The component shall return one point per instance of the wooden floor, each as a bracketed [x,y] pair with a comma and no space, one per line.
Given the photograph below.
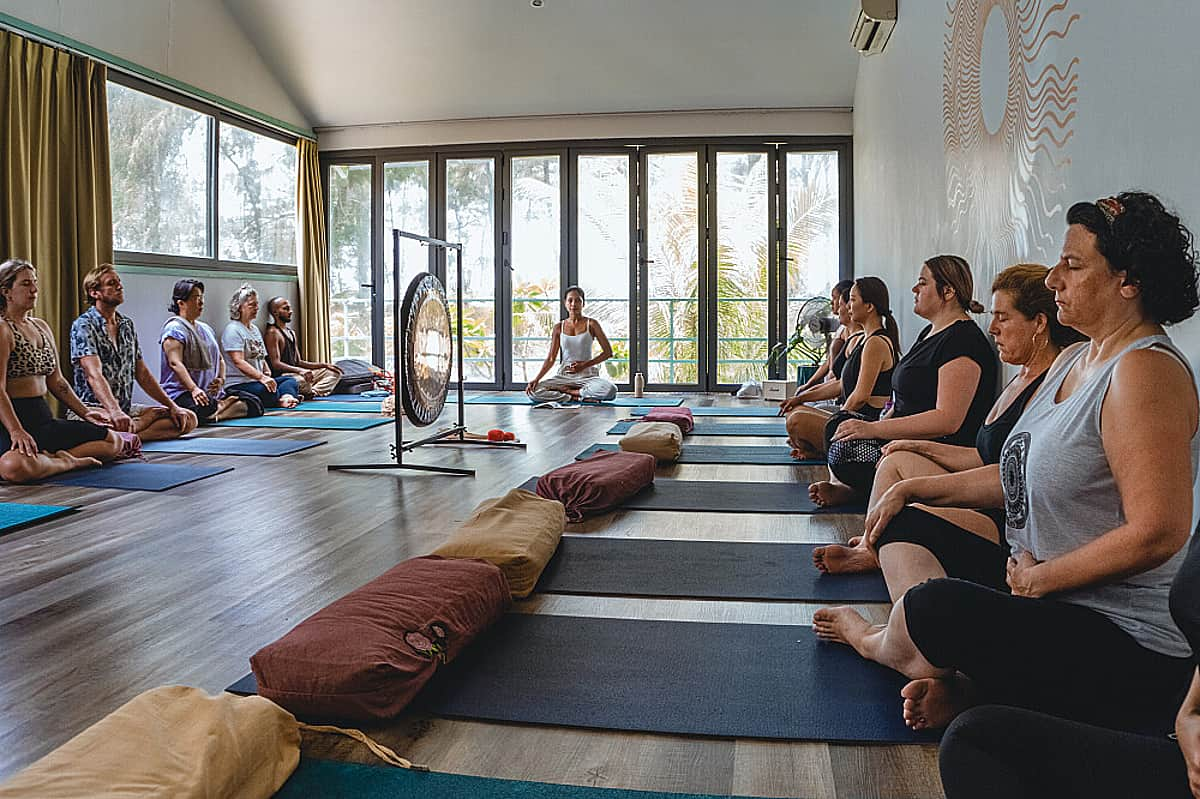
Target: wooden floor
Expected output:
[142,589]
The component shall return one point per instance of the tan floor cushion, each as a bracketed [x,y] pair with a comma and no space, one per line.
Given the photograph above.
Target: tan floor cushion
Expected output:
[518,532]
[663,440]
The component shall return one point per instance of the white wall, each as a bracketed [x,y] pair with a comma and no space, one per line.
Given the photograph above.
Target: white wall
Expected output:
[194,41]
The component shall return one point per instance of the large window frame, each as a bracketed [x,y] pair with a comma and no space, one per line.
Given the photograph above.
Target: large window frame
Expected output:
[635,150]
[217,117]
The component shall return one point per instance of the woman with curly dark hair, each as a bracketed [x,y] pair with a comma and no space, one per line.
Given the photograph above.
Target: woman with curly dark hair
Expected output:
[1096,482]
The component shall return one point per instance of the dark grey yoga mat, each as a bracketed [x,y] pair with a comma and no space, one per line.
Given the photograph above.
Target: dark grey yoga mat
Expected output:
[721,453]
[773,428]
[212,445]
[136,476]
[719,496]
[700,570]
[751,411]
[677,677]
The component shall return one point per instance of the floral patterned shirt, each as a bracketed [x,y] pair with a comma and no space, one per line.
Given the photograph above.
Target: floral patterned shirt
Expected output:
[89,336]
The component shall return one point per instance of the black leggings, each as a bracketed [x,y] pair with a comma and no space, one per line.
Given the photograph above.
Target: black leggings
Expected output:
[1046,655]
[995,752]
[50,434]
[961,553]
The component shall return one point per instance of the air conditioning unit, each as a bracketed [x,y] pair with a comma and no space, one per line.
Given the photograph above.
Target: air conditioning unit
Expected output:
[873,26]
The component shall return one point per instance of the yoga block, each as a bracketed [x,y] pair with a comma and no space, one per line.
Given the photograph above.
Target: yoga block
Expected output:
[663,440]
[366,656]
[598,483]
[518,532]
[682,417]
[171,741]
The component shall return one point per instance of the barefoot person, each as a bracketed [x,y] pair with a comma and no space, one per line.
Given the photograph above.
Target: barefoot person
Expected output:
[1096,483]
[34,444]
[315,379]
[573,340]
[245,355]
[942,387]
[1028,334]
[866,376]
[191,369]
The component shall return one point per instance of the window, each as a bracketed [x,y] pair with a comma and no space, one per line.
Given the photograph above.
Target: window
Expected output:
[257,198]
[350,280]
[535,249]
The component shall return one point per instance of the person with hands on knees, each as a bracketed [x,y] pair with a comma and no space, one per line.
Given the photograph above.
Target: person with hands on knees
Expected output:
[191,369]
[33,444]
[572,341]
[107,361]
[315,379]
[246,355]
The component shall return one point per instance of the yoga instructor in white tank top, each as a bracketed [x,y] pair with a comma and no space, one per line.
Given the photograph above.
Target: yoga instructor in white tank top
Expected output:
[571,344]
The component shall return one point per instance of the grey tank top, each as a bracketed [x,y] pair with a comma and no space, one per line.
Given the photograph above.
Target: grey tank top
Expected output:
[1059,494]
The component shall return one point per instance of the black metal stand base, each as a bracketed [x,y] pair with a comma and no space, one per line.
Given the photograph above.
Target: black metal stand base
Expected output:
[440,469]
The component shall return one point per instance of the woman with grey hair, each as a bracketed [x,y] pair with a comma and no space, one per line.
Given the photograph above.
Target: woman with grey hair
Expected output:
[245,356]
[33,444]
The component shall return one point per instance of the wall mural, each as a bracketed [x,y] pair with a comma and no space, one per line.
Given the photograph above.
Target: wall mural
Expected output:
[1008,110]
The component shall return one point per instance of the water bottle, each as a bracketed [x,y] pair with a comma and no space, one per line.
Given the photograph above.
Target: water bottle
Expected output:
[639,385]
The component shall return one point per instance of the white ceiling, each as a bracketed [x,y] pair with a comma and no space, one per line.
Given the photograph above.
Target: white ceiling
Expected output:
[358,62]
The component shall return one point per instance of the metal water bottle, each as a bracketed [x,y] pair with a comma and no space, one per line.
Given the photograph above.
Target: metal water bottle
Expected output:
[639,385]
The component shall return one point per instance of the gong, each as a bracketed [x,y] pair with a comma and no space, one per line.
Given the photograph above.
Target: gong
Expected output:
[426,350]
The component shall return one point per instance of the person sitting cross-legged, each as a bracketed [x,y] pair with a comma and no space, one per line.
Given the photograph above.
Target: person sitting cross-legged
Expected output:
[192,371]
[315,378]
[246,355]
[571,341]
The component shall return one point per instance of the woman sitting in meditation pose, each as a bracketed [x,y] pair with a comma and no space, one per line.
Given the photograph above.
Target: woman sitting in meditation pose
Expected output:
[831,369]
[34,444]
[246,355]
[192,371]
[578,377]
[1096,483]
[865,379]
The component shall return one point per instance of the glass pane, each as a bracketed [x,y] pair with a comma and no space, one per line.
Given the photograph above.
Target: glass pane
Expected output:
[742,228]
[470,219]
[812,231]
[672,213]
[158,152]
[405,207]
[536,243]
[257,198]
[350,260]
[603,224]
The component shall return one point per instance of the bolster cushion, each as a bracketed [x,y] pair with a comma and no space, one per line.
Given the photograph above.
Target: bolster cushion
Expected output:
[663,440]
[368,654]
[598,483]
[679,416]
[171,741]
[518,532]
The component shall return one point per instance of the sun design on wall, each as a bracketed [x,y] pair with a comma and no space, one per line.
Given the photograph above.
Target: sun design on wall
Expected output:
[1008,117]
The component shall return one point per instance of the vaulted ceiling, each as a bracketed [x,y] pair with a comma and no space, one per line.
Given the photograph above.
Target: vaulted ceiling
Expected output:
[358,62]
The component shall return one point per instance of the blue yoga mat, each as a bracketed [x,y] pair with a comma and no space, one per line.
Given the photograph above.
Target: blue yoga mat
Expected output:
[350,398]
[336,406]
[700,570]
[137,476]
[15,515]
[621,402]
[201,445]
[330,779]
[720,496]
[749,411]
[778,428]
[721,453]
[308,422]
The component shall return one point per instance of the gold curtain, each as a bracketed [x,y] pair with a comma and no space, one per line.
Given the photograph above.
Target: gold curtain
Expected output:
[55,186]
[314,254]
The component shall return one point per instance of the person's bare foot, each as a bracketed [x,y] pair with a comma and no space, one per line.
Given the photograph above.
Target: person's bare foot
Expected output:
[824,493]
[288,401]
[839,559]
[806,453]
[932,702]
[72,462]
[854,541]
[842,624]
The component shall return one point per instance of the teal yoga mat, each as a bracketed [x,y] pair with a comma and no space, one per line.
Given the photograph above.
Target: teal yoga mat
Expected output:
[330,779]
[15,515]
[336,406]
[749,411]
[721,453]
[620,402]
[772,428]
[308,422]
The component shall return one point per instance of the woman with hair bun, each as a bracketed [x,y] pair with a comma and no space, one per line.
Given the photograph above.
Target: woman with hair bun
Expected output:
[578,378]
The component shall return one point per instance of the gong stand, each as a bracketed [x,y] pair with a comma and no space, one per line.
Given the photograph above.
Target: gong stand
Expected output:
[456,433]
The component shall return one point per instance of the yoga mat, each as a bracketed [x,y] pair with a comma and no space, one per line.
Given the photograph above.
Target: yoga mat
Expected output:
[308,422]
[15,515]
[718,453]
[776,428]
[521,399]
[331,779]
[137,476]
[700,570]
[200,445]
[718,496]
[349,398]
[714,410]
[336,406]
[677,677]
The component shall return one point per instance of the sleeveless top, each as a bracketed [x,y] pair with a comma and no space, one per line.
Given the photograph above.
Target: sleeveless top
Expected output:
[1059,494]
[288,352]
[28,359]
[990,439]
[576,348]
[839,361]
[883,381]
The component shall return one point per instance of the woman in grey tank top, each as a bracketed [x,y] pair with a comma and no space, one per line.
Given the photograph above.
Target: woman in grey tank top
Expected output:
[1096,480]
